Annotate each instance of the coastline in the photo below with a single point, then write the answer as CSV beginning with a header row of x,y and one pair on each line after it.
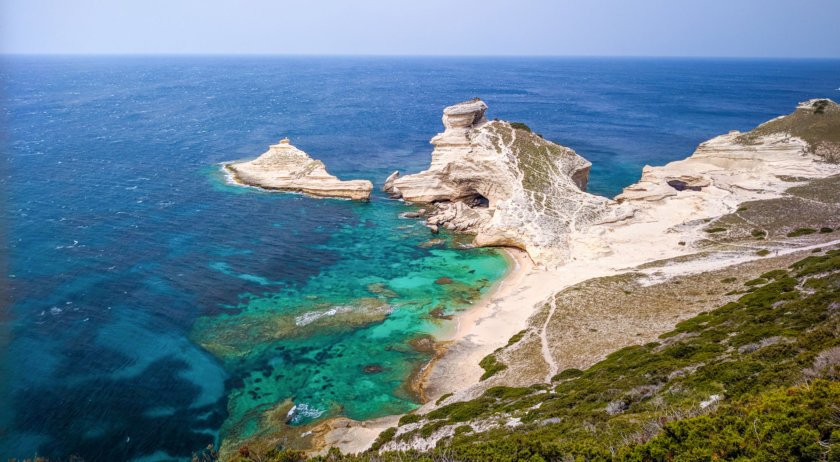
x,y
233,179
519,264
506,310
661,230
470,336
353,436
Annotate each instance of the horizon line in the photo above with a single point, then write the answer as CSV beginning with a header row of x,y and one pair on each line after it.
x,y
386,55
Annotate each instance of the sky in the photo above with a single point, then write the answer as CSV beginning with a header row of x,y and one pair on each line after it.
x,y
690,28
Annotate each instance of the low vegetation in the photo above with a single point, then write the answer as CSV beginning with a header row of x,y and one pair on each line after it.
x,y
520,126
755,379
816,125
801,232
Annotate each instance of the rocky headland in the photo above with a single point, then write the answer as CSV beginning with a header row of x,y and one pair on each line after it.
x,y
286,168
505,184
667,248
510,187
595,275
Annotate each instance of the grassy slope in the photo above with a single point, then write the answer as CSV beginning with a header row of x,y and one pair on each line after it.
x,y
644,402
816,125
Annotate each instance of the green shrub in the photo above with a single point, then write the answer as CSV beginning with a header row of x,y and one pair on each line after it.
x,y
567,374
517,337
384,437
819,106
491,366
775,274
786,425
461,429
801,232
826,229
410,419
442,398
282,455
430,428
506,392
757,233
462,410
763,253
715,230
520,126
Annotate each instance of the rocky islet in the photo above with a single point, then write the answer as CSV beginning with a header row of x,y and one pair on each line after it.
x,y
286,168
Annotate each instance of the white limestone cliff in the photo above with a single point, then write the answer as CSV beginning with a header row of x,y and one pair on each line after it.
x,y
510,187
506,185
286,168
738,167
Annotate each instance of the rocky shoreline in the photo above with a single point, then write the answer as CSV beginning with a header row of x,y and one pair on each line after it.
x,y
667,217
286,168
715,214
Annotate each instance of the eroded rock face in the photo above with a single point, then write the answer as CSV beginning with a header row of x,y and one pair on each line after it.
x,y
286,168
505,184
748,166
389,184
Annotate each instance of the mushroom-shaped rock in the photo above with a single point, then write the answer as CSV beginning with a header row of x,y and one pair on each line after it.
x,y
505,184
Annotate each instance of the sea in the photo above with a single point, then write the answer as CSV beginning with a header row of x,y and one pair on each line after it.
x,y
149,307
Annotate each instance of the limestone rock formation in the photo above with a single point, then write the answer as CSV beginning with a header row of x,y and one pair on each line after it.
x,y
746,166
505,184
286,168
389,184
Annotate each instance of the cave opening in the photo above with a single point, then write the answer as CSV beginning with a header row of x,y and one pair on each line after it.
x,y
682,186
477,200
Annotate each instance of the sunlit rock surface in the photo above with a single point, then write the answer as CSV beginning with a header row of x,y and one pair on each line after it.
x,y
286,168
505,184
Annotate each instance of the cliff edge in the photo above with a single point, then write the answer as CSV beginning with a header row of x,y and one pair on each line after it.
x,y
286,168
505,184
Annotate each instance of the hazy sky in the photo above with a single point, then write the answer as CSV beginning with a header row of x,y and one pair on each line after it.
x,y
757,28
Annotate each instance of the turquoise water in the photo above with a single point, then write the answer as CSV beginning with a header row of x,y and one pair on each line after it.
x,y
311,342
148,308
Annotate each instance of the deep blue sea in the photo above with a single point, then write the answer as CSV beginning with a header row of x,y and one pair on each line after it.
x,y
149,308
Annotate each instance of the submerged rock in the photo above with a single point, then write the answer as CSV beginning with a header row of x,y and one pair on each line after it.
x,y
372,369
423,344
433,242
286,168
505,184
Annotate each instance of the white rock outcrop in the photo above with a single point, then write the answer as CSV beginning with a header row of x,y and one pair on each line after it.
x,y
286,168
671,205
506,185
737,167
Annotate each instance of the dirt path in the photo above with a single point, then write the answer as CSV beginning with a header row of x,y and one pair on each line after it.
x,y
546,352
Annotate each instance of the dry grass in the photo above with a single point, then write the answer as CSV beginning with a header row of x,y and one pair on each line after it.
x,y
818,125
602,315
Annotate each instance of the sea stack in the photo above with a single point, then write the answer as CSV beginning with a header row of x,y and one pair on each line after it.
x,y
286,168
505,184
